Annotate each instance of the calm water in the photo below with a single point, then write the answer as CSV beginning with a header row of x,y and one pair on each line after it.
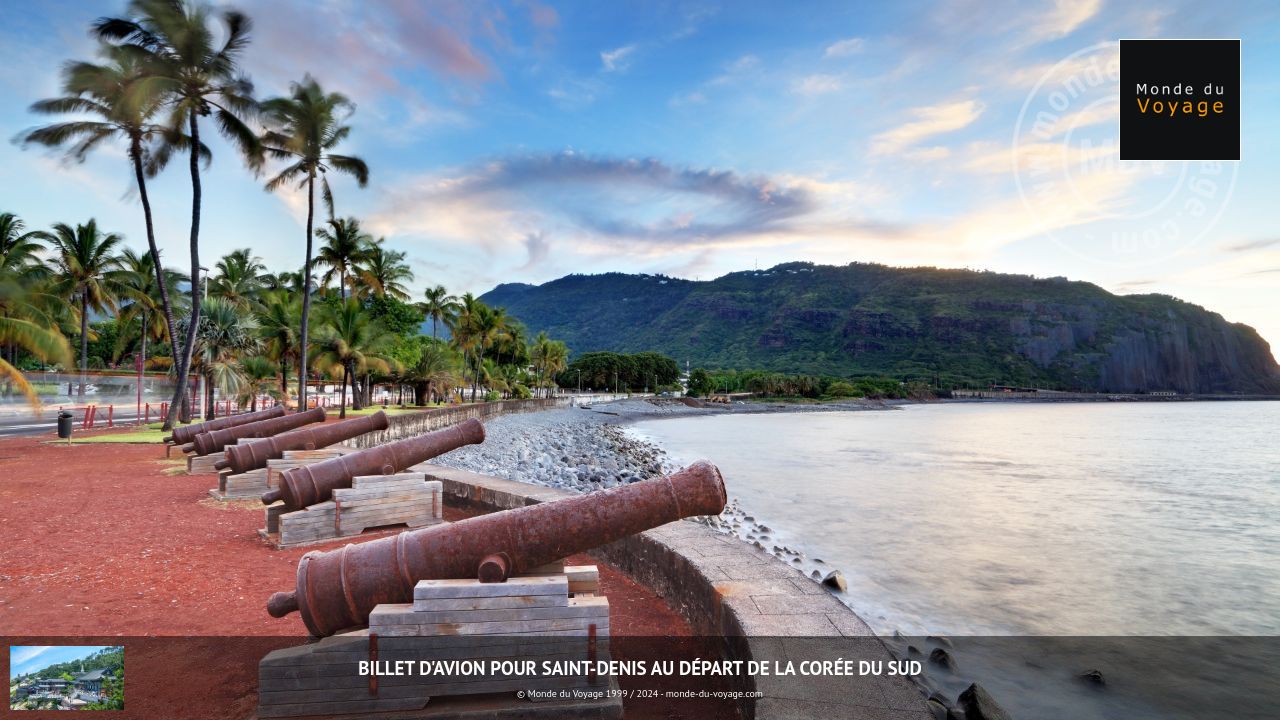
x,y
1021,519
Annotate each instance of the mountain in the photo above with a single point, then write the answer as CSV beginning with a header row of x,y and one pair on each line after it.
x,y
964,327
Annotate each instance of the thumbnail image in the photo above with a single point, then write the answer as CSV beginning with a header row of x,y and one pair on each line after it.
x,y
66,677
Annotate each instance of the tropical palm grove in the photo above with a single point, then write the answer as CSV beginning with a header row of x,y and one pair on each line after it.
x,y
73,296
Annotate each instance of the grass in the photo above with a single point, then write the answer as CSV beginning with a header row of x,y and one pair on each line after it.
x,y
150,435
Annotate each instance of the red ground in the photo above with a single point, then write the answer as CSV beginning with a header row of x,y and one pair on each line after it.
x,y
98,540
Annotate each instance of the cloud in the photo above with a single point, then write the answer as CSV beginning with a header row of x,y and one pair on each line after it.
x,y
930,120
616,60
844,48
1064,18
1250,245
538,247
818,84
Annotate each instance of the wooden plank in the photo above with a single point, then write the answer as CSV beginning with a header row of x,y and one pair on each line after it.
x,y
490,603
522,585
513,627
406,614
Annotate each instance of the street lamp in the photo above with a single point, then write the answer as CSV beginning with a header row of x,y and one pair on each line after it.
x,y
205,270
579,381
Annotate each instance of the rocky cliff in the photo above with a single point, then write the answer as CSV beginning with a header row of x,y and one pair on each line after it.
x,y
957,326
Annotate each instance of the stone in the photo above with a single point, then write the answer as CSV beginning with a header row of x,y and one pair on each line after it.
x,y
835,580
942,659
936,709
1092,677
939,640
978,704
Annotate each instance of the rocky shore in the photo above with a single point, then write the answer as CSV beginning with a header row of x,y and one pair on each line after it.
x,y
584,449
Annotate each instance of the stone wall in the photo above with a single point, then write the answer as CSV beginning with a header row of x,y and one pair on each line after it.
x,y
761,607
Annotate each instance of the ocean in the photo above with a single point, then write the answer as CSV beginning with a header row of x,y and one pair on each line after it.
x,y
1002,522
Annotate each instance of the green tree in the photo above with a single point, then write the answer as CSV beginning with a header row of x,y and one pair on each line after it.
x,y
239,278
383,273
436,371
125,105
87,270
259,374
439,306
141,316
198,78
279,315
350,340
700,384
345,248
304,129
226,333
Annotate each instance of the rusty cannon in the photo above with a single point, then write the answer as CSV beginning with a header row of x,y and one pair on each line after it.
x,y
311,484
211,442
184,434
253,455
338,589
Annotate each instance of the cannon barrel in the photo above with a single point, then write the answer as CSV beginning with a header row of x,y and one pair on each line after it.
x,y
253,455
183,434
215,441
314,483
339,588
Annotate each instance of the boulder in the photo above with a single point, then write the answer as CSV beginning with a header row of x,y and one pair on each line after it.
x,y
1092,677
835,580
942,659
978,704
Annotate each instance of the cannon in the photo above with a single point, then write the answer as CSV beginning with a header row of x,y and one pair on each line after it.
x,y
253,455
338,589
211,442
314,483
183,434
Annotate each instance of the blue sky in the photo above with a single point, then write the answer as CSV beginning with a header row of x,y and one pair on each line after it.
x,y
25,659
521,141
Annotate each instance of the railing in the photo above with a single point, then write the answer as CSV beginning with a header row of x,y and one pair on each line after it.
x,y
417,423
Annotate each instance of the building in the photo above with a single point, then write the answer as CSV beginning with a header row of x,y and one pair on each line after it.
x,y
91,681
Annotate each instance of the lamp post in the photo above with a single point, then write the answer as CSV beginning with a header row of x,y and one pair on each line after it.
x,y
579,381
205,281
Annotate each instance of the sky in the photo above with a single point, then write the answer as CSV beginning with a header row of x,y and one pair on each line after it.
x,y
25,659
522,141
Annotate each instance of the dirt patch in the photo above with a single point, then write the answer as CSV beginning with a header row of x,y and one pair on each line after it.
x,y
104,540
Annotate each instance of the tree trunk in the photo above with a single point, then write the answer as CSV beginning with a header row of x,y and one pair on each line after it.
x,y
350,372
306,295
135,151
342,411
342,286
188,345
210,411
84,339
284,377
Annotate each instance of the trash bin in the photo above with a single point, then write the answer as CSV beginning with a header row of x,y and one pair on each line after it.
x,y
64,425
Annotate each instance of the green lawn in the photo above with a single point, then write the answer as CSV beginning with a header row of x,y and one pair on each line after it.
x,y
150,435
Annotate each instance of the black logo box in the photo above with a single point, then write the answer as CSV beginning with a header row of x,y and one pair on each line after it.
x,y
1185,67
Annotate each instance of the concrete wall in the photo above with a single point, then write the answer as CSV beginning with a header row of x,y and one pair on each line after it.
x,y
761,607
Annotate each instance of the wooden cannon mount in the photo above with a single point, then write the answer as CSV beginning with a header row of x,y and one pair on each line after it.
x,y
347,493
252,467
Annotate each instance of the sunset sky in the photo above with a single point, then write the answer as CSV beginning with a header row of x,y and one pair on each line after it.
x,y
524,141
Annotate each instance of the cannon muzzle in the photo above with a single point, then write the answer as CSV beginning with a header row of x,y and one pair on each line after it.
x,y
314,483
253,455
183,434
211,442
339,588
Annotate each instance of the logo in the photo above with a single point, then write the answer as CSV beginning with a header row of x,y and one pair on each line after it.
x,y
1179,99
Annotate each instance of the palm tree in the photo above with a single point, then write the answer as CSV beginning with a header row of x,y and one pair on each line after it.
x,y
87,271
383,272
239,277
435,373
344,250
304,129
123,101
549,357
139,294
198,78
259,374
20,262
352,341
225,334
465,331
439,306
24,325
278,317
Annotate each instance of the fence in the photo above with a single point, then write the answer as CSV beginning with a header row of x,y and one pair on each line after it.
x,y
411,424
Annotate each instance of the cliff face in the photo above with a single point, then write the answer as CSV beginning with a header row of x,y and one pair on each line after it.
x,y
961,327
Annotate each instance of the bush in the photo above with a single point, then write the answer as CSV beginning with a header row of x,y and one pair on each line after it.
x,y
520,392
842,389
492,396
